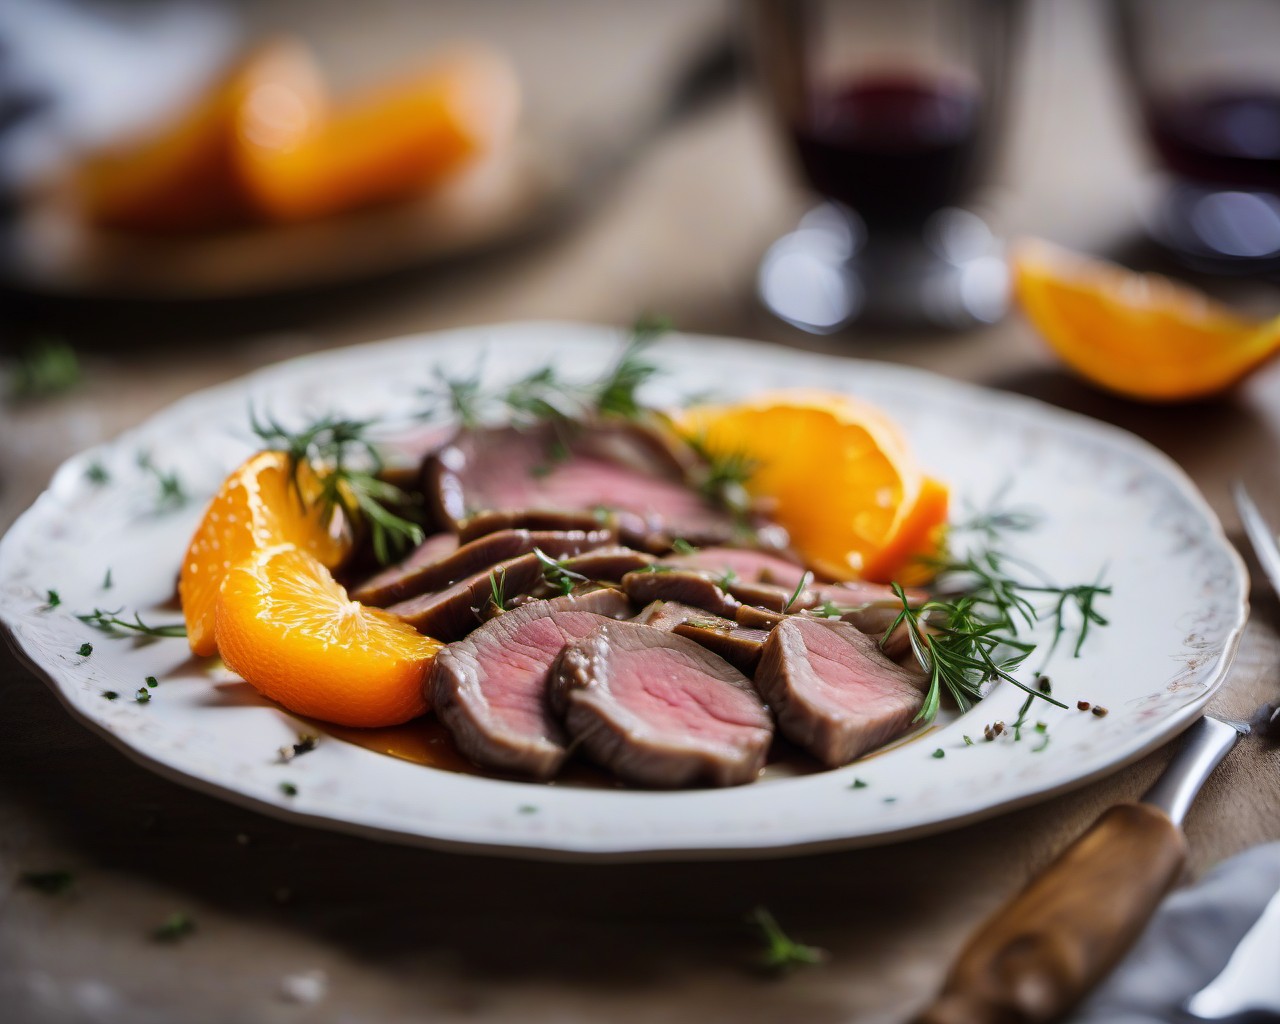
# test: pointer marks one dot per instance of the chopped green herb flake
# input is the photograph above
(306, 743)
(782, 953)
(288, 789)
(682, 547)
(51, 883)
(967, 741)
(106, 580)
(891, 800)
(43, 369)
(111, 694)
(939, 753)
(143, 695)
(153, 682)
(85, 650)
(858, 784)
(96, 473)
(176, 926)
(52, 599)
(527, 809)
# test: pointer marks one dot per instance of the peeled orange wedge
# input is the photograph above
(1139, 335)
(292, 633)
(839, 476)
(256, 507)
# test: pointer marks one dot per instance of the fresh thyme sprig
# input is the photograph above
(346, 462)
(110, 622)
(724, 475)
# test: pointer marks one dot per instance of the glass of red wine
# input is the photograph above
(1207, 78)
(891, 108)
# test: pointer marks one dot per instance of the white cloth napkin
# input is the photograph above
(1188, 944)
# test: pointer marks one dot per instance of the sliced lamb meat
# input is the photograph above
(681, 585)
(750, 617)
(659, 710)
(835, 694)
(621, 468)
(771, 596)
(739, 646)
(483, 523)
(491, 689)
(607, 564)
(431, 550)
(455, 611)
(418, 576)
(896, 648)
(746, 564)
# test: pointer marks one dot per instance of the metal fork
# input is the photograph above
(1266, 547)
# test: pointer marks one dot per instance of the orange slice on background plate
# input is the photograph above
(290, 630)
(1139, 335)
(186, 175)
(405, 136)
(839, 476)
(257, 506)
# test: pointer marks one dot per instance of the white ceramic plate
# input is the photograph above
(1109, 500)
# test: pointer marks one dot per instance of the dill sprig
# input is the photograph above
(346, 462)
(110, 622)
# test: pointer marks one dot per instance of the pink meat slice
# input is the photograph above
(833, 691)
(491, 689)
(659, 710)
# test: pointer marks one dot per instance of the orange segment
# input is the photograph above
(838, 473)
(290, 630)
(918, 537)
(1140, 335)
(255, 507)
(403, 137)
(185, 176)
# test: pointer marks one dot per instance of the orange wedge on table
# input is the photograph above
(1139, 335)
(290, 630)
(257, 506)
(838, 475)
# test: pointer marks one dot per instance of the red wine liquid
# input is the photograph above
(894, 148)
(1226, 137)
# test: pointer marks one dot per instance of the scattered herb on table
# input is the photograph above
(177, 925)
(45, 368)
(51, 883)
(782, 953)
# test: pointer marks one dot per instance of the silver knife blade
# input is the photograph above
(1261, 538)
(1206, 744)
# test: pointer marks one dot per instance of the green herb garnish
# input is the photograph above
(306, 743)
(805, 580)
(152, 682)
(110, 695)
(288, 789)
(498, 588)
(682, 547)
(177, 925)
(52, 599)
(110, 622)
(858, 784)
(346, 462)
(96, 473)
(85, 650)
(106, 580)
(172, 494)
(51, 883)
(43, 369)
(557, 575)
(782, 953)
(939, 753)
(143, 695)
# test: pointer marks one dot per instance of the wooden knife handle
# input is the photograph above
(1045, 949)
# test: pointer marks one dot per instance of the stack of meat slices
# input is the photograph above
(592, 603)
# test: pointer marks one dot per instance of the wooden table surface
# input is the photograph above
(403, 934)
